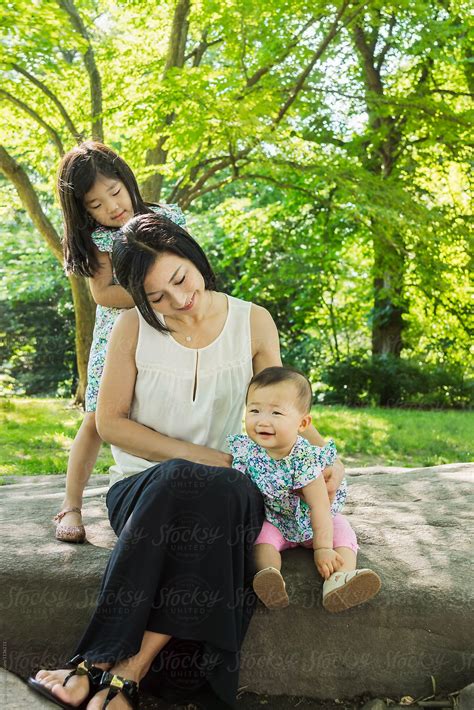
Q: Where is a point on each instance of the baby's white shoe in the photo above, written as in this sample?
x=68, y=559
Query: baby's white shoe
x=270, y=588
x=346, y=589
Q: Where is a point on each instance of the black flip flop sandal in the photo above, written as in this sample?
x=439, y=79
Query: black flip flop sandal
x=79, y=667
x=116, y=685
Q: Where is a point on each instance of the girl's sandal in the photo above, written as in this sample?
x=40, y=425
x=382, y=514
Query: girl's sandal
x=270, y=588
x=69, y=533
x=116, y=685
x=79, y=667
x=343, y=590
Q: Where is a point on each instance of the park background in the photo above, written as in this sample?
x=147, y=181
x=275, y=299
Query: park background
x=321, y=153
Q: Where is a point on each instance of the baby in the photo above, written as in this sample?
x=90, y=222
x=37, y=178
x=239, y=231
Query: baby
x=288, y=471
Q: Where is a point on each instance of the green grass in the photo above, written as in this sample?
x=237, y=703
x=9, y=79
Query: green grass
x=36, y=434
x=398, y=437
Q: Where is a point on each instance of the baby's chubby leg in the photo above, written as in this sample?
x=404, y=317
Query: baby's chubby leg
x=266, y=555
x=348, y=586
x=268, y=583
x=349, y=556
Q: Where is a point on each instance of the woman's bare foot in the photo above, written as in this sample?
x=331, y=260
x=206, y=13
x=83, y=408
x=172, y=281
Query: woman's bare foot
x=120, y=702
x=74, y=693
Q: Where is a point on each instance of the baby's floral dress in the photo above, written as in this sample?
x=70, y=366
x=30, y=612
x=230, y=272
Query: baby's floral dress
x=277, y=479
x=105, y=316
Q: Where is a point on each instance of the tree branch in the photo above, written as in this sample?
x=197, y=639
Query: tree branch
x=31, y=112
x=277, y=183
x=78, y=137
x=372, y=78
x=17, y=175
x=195, y=194
x=387, y=45
x=256, y=76
x=198, y=52
x=334, y=29
x=187, y=194
x=95, y=81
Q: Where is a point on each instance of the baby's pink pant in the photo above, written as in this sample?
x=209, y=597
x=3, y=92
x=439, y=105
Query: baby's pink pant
x=343, y=536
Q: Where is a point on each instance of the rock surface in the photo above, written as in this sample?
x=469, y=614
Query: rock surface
x=15, y=694
x=413, y=529
x=466, y=697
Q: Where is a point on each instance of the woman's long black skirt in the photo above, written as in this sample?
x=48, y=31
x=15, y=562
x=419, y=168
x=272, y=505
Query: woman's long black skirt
x=183, y=565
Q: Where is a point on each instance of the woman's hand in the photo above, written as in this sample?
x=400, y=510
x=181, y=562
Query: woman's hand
x=327, y=561
x=212, y=457
x=333, y=476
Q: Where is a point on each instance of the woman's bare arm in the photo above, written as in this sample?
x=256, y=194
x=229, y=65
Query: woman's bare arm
x=115, y=399
x=264, y=338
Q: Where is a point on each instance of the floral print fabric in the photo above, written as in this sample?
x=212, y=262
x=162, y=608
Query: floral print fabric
x=278, y=479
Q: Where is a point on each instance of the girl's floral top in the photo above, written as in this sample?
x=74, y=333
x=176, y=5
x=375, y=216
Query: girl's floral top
x=278, y=479
x=105, y=316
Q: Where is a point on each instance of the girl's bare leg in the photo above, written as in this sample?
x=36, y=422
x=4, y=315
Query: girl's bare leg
x=77, y=688
x=82, y=458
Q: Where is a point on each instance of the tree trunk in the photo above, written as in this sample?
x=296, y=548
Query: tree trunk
x=156, y=156
x=84, y=312
x=379, y=158
x=388, y=306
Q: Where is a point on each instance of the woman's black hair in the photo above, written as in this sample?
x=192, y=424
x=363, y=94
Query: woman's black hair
x=77, y=173
x=141, y=240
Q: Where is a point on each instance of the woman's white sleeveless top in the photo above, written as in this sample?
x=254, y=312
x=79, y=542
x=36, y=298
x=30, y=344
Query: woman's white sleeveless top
x=195, y=395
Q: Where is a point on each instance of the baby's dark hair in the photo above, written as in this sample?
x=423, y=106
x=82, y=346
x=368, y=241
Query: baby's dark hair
x=77, y=173
x=275, y=375
x=141, y=240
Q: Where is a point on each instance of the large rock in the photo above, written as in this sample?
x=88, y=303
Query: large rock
x=413, y=529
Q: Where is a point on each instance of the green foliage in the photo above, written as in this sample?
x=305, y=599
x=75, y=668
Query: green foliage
x=332, y=198
x=394, y=382
x=36, y=315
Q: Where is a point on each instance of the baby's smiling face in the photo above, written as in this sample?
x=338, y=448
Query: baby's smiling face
x=274, y=417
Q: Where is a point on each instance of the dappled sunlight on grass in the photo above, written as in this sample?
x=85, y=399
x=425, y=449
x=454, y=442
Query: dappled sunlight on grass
x=397, y=437
x=36, y=436
x=55, y=440
x=8, y=470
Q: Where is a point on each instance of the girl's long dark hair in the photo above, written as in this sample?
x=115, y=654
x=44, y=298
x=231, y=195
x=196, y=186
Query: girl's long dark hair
x=77, y=173
x=141, y=240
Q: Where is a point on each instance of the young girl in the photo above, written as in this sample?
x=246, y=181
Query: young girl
x=98, y=193
x=287, y=470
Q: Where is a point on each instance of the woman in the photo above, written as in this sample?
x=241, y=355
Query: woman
x=173, y=388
